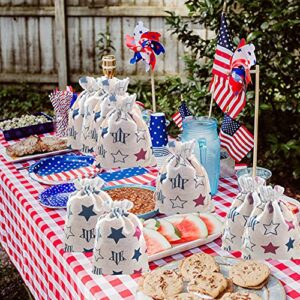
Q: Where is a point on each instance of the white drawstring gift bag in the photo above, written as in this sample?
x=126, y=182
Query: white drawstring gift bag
x=274, y=232
x=182, y=185
x=120, y=247
x=84, y=207
x=124, y=139
x=76, y=113
x=240, y=211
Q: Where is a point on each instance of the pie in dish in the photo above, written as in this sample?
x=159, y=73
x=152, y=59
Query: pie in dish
x=34, y=144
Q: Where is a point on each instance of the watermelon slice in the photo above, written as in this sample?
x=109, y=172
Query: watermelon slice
x=212, y=223
x=152, y=224
x=189, y=227
x=169, y=231
x=155, y=241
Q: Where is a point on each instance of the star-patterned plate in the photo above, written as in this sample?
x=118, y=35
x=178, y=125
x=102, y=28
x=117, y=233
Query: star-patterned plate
x=62, y=168
x=272, y=290
x=57, y=196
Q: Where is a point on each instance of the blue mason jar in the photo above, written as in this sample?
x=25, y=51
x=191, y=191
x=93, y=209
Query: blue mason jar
x=207, y=150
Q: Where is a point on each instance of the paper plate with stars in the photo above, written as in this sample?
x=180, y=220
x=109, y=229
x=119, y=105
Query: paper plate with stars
x=63, y=168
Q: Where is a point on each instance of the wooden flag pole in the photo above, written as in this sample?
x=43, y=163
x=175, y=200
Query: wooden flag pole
x=256, y=111
x=153, y=90
x=212, y=97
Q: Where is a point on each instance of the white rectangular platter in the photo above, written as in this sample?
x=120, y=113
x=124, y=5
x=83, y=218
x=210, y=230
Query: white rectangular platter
x=184, y=246
x=32, y=156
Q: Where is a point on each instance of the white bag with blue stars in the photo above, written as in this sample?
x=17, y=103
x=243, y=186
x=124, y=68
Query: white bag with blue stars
x=124, y=139
x=84, y=207
x=120, y=247
x=76, y=113
x=111, y=88
x=89, y=105
x=182, y=185
x=272, y=230
x=240, y=211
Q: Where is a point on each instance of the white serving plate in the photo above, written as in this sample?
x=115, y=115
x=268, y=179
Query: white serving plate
x=184, y=246
x=272, y=291
x=32, y=156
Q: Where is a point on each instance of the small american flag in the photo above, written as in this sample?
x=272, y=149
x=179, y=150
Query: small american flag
x=181, y=114
x=235, y=138
x=222, y=92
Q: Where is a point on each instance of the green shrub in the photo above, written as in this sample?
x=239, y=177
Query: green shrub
x=273, y=26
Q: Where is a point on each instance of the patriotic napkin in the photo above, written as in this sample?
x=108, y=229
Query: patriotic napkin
x=120, y=247
x=61, y=101
x=84, y=207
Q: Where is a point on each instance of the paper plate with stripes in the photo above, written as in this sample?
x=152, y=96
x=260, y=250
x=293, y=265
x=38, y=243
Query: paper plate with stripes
x=63, y=168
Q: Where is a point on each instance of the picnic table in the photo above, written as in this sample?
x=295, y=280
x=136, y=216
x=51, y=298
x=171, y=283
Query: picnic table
x=32, y=236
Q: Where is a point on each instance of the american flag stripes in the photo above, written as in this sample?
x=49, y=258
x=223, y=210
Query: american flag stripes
x=235, y=138
x=181, y=114
x=222, y=92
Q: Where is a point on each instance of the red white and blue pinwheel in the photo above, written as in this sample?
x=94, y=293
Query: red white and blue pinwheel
x=145, y=45
x=241, y=62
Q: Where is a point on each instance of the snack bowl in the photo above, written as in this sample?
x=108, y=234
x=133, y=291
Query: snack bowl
x=144, y=215
x=261, y=172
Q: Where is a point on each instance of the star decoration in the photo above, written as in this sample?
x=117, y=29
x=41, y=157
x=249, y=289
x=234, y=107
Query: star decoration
x=138, y=271
x=290, y=224
x=290, y=244
x=246, y=219
x=178, y=181
x=140, y=135
x=97, y=115
x=249, y=244
x=119, y=157
x=229, y=235
x=105, y=82
x=137, y=254
x=270, y=248
x=104, y=131
x=102, y=151
x=137, y=232
x=271, y=228
x=163, y=176
x=117, y=257
x=200, y=200
x=141, y=154
x=68, y=232
x=117, y=273
x=252, y=222
x=120, y=136
x=73, y=132
x=116, y=234
x=87, y=212
x=87, y=250
x=233, y=213
x=198, y=181
x=75, y=113
x=88, y=234
x=97, y=271
x=99, y=255
x=177, y=202
x=160, y=197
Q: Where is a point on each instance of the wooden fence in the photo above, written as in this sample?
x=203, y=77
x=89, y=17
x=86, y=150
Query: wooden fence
x=54, y=41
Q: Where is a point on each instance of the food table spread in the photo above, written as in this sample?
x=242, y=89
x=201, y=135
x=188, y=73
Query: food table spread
x=32, y=236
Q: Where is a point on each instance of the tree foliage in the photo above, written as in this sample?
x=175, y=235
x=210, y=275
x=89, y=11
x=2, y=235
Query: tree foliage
x=273, y=26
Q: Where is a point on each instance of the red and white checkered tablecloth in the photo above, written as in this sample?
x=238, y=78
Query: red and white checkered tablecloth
x=32, y=236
